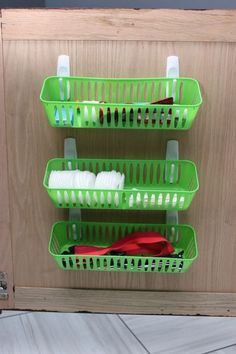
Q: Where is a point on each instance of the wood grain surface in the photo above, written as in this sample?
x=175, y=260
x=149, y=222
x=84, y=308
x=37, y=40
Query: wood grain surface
x=126, y=302
x=120, y=24
x=5, y=234
x=211, y=144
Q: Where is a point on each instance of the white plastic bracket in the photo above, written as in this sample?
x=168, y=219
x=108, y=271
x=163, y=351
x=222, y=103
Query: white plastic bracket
x=172, y=71
x=63, y=65
x=63, y=69
x=70, y=152
x=172, y=150
x=172, y=153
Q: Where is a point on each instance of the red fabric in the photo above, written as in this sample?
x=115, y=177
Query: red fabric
x=137, y=243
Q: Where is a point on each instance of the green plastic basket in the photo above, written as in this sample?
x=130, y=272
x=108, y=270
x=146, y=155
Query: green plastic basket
x=156, y=185
x=67, y=234
x=127, y=102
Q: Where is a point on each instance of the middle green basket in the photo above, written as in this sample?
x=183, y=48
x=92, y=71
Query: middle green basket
x=149, y=184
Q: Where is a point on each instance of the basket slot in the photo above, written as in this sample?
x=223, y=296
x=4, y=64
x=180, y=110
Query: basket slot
x=131, y=92
x=124, y=93
x=181, y=202
x=95, y=91
x=85, y=91
x=190, y=250
x=90, y=93
x=138, y=93
x=151, y=173
x=149, y=91
x=154, y=92
x=117, y=92
x=103, y=92
x=145, y=95
x=159, y=90
x=74, y=233
x=171, y=172
x=81, y=96
x=74, y=91
x=131, y=173
x=181, y=86
x=93, y=233
x=131, y=117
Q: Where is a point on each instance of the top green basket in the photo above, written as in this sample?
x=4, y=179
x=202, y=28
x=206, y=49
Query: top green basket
x=81, y=102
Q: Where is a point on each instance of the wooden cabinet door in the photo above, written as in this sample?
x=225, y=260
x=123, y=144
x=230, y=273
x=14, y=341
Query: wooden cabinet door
x=6, y=274
x=118, y=43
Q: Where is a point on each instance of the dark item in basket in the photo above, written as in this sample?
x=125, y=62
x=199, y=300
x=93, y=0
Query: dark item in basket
x=176, y=255
x=168, y=100
x=144, y=243
x=69, y=251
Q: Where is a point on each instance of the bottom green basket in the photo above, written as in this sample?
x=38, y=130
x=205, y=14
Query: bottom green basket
x=67, y=234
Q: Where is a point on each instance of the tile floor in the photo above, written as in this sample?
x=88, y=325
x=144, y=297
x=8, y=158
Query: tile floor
x=65, y=333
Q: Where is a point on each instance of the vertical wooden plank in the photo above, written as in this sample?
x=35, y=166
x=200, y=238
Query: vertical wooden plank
x=5, y=234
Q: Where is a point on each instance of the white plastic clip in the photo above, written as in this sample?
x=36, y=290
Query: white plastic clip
x=70, y=152
x=172, y=71
x=63, y=69
x=172, y=153
x=172, y=66
x=63, y=65
x=172, y=150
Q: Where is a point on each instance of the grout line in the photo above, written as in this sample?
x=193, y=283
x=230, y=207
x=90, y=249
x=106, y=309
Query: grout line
x=19, y=314
x=215, y=350
x=124, y=323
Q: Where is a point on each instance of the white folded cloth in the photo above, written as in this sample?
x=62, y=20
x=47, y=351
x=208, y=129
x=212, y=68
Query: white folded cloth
x=110, y=180
x=86, y=180
x=61, y=179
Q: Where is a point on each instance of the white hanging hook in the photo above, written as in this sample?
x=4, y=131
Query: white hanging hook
x=63, y=69
x=70, y=152
x=172, y=71
x=172, y=153
x=172, y=66
x=172, y=150
x=63, y=65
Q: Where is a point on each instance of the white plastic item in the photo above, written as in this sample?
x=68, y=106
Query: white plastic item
x=172, y=217
x=63, y=69
x=172, y=66
x=172, y=150
x=172, y=70
x=63, y=65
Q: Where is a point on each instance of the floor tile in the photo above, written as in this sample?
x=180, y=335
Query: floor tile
x=7, y=313
x=180, y=334
x=58, y=333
